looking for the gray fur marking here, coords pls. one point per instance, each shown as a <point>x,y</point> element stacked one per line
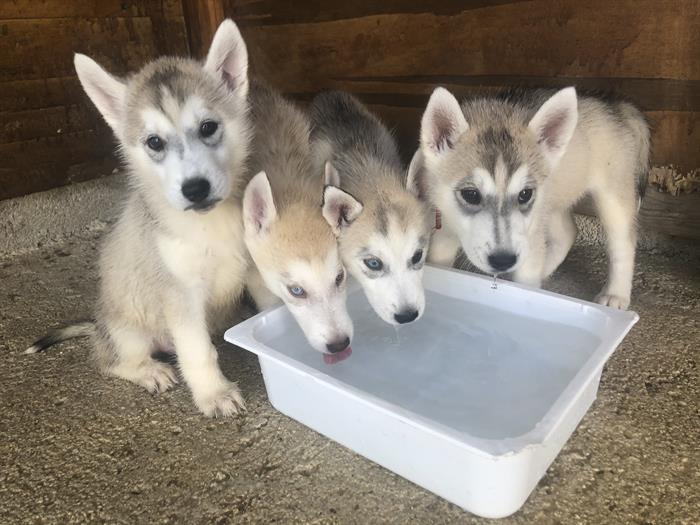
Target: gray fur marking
<point>498,142</point>
<point>382,220</point>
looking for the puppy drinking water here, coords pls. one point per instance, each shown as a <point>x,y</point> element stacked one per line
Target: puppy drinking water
<point>291,224</point>
<point>505,171</point>
<point>385,247</point>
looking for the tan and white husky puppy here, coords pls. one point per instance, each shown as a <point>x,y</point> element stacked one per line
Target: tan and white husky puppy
<point>291,224</point>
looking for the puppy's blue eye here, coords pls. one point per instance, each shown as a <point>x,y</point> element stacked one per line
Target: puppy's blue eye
<point>297,291</point>
<point>374,264</point>
<point>155,143</point>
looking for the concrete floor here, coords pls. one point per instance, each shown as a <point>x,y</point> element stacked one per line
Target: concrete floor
<point>76,447</point>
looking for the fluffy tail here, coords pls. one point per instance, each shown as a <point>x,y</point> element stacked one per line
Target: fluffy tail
<point>81,329</point>
<point>640,130</point>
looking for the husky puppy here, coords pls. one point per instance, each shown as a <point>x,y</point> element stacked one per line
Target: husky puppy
<point>175,262</point>
<point>506,170</point>
<point>385,248</point>
<point>290,230</point>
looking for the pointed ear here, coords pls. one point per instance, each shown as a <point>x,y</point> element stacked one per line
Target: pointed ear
<point>339,208</point>
<point>554,124</point>
<point>106,92</point>
<point>443,122</point>
<point>416,181</point>
<point>331,177</point>
<point>259,210</point>
<point>228,58</point>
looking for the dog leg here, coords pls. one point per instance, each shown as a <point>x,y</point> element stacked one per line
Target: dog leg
<point>618,220</point>
<point>213,394</point>
<point>131,360</point>
<point>530,271</point>
<point>561,236</point>
<point>443,248</point>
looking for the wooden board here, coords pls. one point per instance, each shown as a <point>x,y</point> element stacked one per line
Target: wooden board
<point>542,38</point>
<point>203,17</point>
<point>50,133</point>
<point>58,160</point>
<point>672,215</point>
<point>33,9</point>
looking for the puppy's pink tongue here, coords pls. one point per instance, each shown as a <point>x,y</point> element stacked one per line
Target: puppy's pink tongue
<point>331,359</point>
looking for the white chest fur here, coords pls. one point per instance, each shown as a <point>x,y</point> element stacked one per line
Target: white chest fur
<point>206,253</point>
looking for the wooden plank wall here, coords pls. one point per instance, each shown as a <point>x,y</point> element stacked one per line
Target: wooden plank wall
<point>394,52</point>
<point>390,52</point>
<point>50,134</point>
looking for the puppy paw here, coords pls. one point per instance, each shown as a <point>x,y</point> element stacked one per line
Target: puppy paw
<point>154,376</point>
<point>224,401</point>
<point>613,301</point>
<point>528,279</point>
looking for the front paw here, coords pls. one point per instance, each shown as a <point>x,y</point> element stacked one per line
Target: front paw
<point>613,301</point>
<point>224,401</point>
<point>154,376</point>
<point>532,279</point>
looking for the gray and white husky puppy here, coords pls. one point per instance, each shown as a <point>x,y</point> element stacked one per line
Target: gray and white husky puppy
<point>505,171</point>
<point>175,262</point>
<point>384,248</point>
<point>291,223</point>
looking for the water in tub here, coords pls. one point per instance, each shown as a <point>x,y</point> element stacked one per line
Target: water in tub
<point>480,370</point>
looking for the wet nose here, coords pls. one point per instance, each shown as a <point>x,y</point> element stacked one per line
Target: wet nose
<point>502,261</point>
<point>406,316</point>
<point>338,346</point>
<point>196,189</point>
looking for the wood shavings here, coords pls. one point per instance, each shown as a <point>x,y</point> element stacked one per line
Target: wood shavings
<point>668,179</point>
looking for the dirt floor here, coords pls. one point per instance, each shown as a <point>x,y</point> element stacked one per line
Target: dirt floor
<point>76,447</point>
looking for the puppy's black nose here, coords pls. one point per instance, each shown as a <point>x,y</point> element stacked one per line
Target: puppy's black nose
<point>338,346</point>
<point>196,189</point>
<point>406,316</point>
<point>502,261</point>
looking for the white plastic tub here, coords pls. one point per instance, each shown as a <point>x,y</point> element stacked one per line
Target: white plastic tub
<point>472,402</point>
